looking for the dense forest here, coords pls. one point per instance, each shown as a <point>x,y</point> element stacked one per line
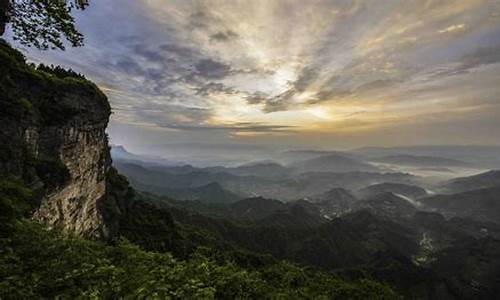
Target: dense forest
<point>36,261</point>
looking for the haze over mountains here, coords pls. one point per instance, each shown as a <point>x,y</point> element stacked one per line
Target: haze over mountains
<point>304,173</point>
<point>332,183</point>
<point>210,154</point>
<point>328,202</point>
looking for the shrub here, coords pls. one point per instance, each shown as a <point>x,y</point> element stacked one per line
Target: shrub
<point>52,172</point>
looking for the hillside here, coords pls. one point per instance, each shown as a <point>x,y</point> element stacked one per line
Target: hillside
<point>36,262</point>
<point>480,204</point>
<point>463,184</point>
<point>387,205</point>
<point>209,193</point>
<point>334,202</point>
<point>406,190</point>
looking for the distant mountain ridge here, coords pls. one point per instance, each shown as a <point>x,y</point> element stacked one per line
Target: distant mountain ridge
<point>291,156</point>
<point>119,153</point>
<point>484,156</point>
<point>284,187</point>
<point>333,163</point>
<point>420,161</point>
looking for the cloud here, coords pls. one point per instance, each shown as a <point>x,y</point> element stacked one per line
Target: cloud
<point>128,66</point>
<point>474,59</point>
<point>279,102</point>
<point>211,69</point>
<point>452,28</point>
<point>482,56</point>
<point>147,53</point>
<point>224,36</point>
<point>307,76</point>
<point>256,98</point>
<point>179,51</point>
<point>202,20</point>
<point>214,88</point>
<point>238,127</point>
<point>161,114</point>
<point>329,94</point>
<point>197,66</point>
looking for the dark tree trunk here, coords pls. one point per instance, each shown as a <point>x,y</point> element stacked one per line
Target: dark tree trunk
<point>4,15</point>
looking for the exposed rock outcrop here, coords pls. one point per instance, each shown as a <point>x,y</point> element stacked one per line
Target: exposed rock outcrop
<point>76,205</point>
<point>53,125</point>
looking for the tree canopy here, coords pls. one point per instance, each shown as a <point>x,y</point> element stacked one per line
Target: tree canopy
<point>42,23</point>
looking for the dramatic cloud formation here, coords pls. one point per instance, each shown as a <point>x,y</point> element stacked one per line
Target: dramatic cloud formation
<point>324,73</point>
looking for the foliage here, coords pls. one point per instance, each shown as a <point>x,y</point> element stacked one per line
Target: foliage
<point>15,199</point>
<point>36,262</point>
<point>53,173</point>
<point>46,94</point>
<point>42,23</point>
<point>59,71</point>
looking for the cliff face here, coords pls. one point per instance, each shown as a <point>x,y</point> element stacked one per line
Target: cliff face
<point>83,149</point>
<point>53,127</point>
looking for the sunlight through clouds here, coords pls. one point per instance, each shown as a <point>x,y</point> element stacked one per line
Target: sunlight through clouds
<point>319,66</point>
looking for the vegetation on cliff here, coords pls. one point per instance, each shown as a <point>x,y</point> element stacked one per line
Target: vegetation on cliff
<point>42,94</point>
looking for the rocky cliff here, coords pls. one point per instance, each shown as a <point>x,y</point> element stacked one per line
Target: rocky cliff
<point>82,148</point>
<point>53,138</point>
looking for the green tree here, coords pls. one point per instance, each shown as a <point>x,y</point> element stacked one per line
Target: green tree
<point>42,23</point>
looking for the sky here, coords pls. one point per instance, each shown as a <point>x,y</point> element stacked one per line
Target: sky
<point>319,74</point>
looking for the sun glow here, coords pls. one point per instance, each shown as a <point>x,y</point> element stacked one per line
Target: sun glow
<point>319,112</point>
<point>301,67</point>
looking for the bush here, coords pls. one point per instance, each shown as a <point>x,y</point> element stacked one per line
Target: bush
<point>51,95</point>
<point>52,172</point>
<point>59,71</point>
<point>15,199</point>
